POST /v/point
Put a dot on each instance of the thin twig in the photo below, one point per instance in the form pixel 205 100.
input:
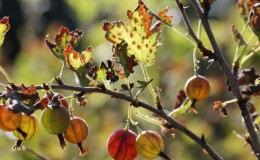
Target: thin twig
pixel 39 155
pixel 142 104
pixel 233 82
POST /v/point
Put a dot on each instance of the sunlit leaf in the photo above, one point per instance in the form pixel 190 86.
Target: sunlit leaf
pixel 127 62
pixel 61 39
pixel 4 27
pixel 76 60
pixel 142 38
pixel 184 108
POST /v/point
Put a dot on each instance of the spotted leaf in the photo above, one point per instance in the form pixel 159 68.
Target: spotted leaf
pixel 4 27
pixel 142 38
pixel 61 39
pixel 75 60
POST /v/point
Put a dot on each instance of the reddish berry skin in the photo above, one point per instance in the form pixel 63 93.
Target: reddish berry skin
pixel 77 130
pixel 121 145
pixel 9 120
pixel 48 97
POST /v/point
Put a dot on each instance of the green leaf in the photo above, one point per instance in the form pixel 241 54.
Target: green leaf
pixel 184 108
pixel 143 84
pixel 4 27
pixel 61 39
pixel 142 38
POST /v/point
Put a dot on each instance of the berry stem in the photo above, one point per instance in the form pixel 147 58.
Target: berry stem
pixel 147 79
pixel 62 141
pixel 6 75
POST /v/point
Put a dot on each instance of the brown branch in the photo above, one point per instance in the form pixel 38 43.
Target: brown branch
pixel 205 52
pixel 142 104
pixel 233 82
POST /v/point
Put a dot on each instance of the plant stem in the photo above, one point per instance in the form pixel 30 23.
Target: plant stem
pixel 147 79
pixel 6 75
pixel 148 107
pixel 233 82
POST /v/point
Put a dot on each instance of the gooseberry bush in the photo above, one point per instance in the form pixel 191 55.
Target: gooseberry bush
pixel 134 45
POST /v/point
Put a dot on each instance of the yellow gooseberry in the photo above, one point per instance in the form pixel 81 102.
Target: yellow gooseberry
pixel 29 125
pixel 149 144
pixel 197 88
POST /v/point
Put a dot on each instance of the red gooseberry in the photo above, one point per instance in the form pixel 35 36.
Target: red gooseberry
pixel 121 145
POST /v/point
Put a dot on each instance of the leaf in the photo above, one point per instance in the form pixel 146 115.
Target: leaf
pixel 141 37
pixel 61 39
pixel 184 108
pixel 143 84
pixel 4 27
pixel 75 60
pixel 126 87
pixel 248 76
pixel 127 62
pixel 104 72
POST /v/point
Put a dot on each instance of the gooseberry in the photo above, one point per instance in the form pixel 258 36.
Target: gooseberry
pixel 149 144
pixel 77 132
pixel 121 145
pixel 197 88
pixel 29 125
pixel 56 121
pixel 9 120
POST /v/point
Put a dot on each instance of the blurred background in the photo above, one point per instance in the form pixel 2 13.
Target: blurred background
pixel 27 60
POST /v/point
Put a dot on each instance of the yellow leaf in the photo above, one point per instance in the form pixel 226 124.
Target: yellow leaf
pixel 141 37
pixel 4 27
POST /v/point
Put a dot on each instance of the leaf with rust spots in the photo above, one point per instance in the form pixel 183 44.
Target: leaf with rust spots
pixel 76 61
pixel 4 27
pixel 163 15
pixel 61 39
pixel 127 62
pixel 141 36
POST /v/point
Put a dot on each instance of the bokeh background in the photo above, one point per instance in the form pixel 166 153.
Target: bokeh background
pixel 27 60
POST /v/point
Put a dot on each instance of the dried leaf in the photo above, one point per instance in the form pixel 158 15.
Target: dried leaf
pixel 4 27
pixel 127 62
pixel 61 39
pixel 248 77
pixel 141 37
pixel 75 60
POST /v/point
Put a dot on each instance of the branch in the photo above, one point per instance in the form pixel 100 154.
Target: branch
pixel 233 82
pixel 39 155
pixel 142 104
pixel 205 52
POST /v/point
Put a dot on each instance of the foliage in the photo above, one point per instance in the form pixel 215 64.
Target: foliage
pixel 130 74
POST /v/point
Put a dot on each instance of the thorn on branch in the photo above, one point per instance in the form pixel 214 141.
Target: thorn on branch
pixel 205 53
pixel 58 80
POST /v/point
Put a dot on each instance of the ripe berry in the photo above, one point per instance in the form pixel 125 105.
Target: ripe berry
pixel 149 144
pixel 77 132
pixel 121 145
pixel 9 120
pixel 197 88
pixel 29 125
